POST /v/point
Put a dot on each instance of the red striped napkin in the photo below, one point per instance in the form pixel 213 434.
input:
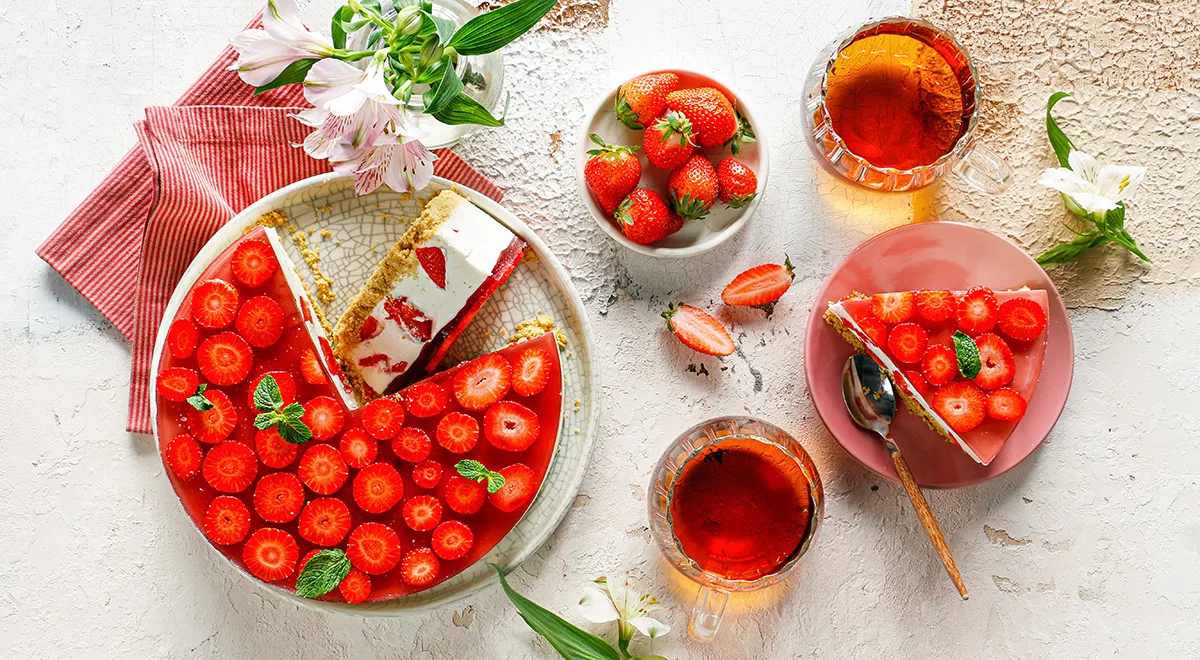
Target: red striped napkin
pixel 197 164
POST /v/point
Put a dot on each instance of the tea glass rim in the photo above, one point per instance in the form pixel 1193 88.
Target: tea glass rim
pixel 964 142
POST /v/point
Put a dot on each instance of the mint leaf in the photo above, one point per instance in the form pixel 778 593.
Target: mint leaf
pixel 264 421
pixel 292 429
pixel 198 400
pixel 570 641
pixel 322 573
pixel 476 471
pixel 293 410
pixel 968 354
pixel 1059 140
pixel 267 396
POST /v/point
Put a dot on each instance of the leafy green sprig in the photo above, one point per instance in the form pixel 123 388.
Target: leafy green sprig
pixel 287 419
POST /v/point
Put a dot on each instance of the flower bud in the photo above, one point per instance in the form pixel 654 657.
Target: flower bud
pixel 408 21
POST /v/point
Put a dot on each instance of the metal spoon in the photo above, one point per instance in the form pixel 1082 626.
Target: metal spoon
pixel 872 404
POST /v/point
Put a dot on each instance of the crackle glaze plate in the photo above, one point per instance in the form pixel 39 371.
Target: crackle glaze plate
pixel 356 224
pixel 935 255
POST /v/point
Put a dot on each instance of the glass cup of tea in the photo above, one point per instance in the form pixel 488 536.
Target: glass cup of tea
pixel 734 504
pixel 892 106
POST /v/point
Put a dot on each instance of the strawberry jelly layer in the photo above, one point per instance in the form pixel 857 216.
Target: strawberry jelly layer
pixel 983 442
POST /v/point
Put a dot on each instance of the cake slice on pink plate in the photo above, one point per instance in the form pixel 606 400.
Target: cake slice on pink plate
pixel 967 362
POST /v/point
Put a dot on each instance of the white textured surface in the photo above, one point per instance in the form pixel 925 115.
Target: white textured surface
pixel 1087 550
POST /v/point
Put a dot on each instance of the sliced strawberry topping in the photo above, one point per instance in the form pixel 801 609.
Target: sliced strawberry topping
pixel 322 469
pixel 510 426
pixel 482 382
pixel 230 466
pixel 961 404
pixel 331 362
pixel 270 554
pixel 892 308
pixel 324 416
pixel 273 450
pixel 452 540
pixel 422 513
pixel 977 311
pixel 370 329
pixel 358 449
pixel 464 495
pixel 382 418
pixel 874 329
pixel 939 364
pixel 407 316
pixel 214 303
pixel 398 368
pixel 184 456
pixel 378 487
pixel 260 321
pixel 304 311
pixel 425 399
pixel 182 338
pixel 420 567
pixel 1005 404
pixel 1022 319
pixel 760 285
pixel 373 360
pixel 215 424
pixel 907 342
pixel 458 432
pixel 373 548
pixel 310 368
pixel 355 587
pixel 227 520
pixel 225 359
pixel 997 364
pixel 520 483
pixel 287 387
pixel 324 521
pixel 427 474
pixel 698 330
pixel 253 262
pixel 413 445
pixel 278 497
pixel 531 372
pixel 918 382
pixel 936 306
pixel 177 383
pixel 433 261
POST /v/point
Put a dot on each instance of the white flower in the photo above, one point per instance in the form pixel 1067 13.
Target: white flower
pixel 1091 187
pixel 607 600
pixel 402 162
pixel 264 54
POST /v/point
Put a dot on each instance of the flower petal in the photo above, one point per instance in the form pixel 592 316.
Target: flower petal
pixel 373 84
pixel 281 20
pixel 1118 182
pixel 1084 165
pixel 596 607
pixel 1066 181
pixel 329 79
pixel 649 627
pixel 260 58
pixel 1093 202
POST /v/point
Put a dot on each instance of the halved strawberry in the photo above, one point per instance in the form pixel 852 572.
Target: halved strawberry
pixel 183 456
pixel 273 450
pixel 422 513
pixel 892 308
pixel 310 368
pixel 427 474
pixel 382 418
pixel 373 548
pixel 322 469
pixel 761 285
pixel 230 466
pixel 464 495
pixel 1005 404
pixel 324 416
pixel 918 382
pixel 1022 319
pixel 698 330
pixel 260 321
pixel 214 303
pixel 355 587
pixel 939 365
pixel 287 387
pixel 433 262
pixel 225 359
pixel 511 426
pixel 935 306
pixel 182 338
pixel 408 316
pixel 215 424
pixel 458 432
pixel 413 445
pixel 371 328
pixel 482 382
pixel 520 483
pixel 977 311
pixel 177 383
pixel 270 554
pixel 961 404
pixel 227 520
pixel 425 399
pixel 324 521
pixel 420 567
pixel 378 487
pixel 253 262
pixel 874 329
pixel 531 371
pixel 997 366
pixel 278 497
pixel 452 540
pixel 907 342
pixel 358 449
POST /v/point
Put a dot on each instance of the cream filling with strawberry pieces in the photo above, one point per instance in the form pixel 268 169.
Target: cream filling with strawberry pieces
pixel 472 243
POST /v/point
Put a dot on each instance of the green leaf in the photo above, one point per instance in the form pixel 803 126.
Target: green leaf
pixel 294 73
pixel 463 109
pixel 445 28
pixel 570 641
pixel 492 31
pixel 968 354
pixel 745 133
pixel 294 410
pixel 264 421
pixel 198 400
pixel 476 471
pixel 292 429
pixel 1059 140
pixel 1066 252
pixel 440 96
pixel 335 27
pixel 322 573
pixel 267 396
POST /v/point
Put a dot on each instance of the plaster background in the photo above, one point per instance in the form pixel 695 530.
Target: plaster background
pixel 1086 550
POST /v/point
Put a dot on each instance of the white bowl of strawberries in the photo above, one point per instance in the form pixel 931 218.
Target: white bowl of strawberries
pixel 670 164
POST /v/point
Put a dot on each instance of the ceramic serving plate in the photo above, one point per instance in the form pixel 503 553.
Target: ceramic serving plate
pixel 935 255
pixel 355 225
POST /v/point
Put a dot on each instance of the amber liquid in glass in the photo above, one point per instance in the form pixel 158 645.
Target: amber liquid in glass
pixel 741 509
pixel 897 100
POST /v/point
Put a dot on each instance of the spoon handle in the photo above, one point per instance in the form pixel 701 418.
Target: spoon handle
pixel 927 519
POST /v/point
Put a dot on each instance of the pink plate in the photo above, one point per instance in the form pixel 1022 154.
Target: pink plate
pixel 935 255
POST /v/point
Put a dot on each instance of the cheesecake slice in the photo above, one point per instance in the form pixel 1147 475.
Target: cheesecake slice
pixel 932 343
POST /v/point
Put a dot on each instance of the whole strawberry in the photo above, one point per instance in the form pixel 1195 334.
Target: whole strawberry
pixel 644 217
pixel 641 100
pixel 693 187
pixel 611 172
pixel 737 184
pixel 710 112
pixel 668 141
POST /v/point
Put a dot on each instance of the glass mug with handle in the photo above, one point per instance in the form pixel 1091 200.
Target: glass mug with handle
pixel 734 503
pixel 893 105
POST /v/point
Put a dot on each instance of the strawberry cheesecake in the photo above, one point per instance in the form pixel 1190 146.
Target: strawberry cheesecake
pixel 967 362
pixel 423 294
